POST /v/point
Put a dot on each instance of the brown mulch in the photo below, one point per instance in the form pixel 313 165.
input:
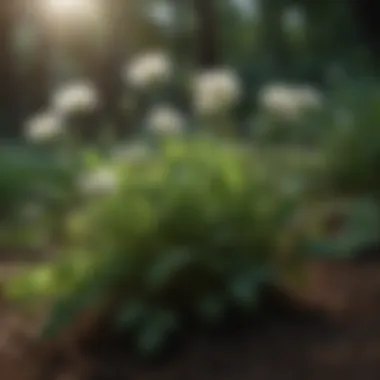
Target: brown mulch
pixel 287 341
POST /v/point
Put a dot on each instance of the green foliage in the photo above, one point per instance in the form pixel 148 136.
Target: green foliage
pixel 361 227
pixel 190 232
pixel 307 130
pixel 342 228
pixel 30 184
pixel 353 151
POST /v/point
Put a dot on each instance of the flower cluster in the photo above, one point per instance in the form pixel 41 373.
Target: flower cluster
pixel 216 91
pixel 44 127
pixel 69 100
pixel 99 182
pixel 75 98
pixel 165 120
pixel 148 70
pixel 289 101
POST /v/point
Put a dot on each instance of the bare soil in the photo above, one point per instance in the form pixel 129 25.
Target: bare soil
pixel 327 329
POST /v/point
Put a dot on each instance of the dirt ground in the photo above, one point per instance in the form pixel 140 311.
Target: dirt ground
pixel 287 341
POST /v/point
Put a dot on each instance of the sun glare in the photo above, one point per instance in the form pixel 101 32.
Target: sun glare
pixel 71 9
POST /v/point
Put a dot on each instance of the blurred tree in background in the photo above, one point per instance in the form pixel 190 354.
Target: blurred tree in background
pixel 265 39
pixel 8 95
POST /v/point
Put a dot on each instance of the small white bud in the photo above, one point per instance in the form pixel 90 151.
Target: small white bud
pixel 44 127
pixel 289 101
pixel 216 91
pixel 148 70
pixel 164 120
pixel 100 182
pixel 75 98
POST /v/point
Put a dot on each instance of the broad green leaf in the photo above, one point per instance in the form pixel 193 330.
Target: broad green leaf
pixel 166 268
pixel 155 332
pixel 131 314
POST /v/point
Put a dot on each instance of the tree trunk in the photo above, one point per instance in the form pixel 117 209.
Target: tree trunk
pixel 207 41
pixel 273 38
pixel 128 33
pixel 9 111
pixel 37 78
pixel 366 14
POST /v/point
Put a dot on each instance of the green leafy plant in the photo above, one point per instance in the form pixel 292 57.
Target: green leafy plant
pixel 189 232
pixel 32 188
pixel 333 229
pixel 353 149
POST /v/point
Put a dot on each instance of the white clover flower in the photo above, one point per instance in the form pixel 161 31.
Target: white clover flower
pixel 165 120
pixel 75 98
pixel 289 101
pixel 216 91
pixel 102 181
pixel 148 70
pixel 44 127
